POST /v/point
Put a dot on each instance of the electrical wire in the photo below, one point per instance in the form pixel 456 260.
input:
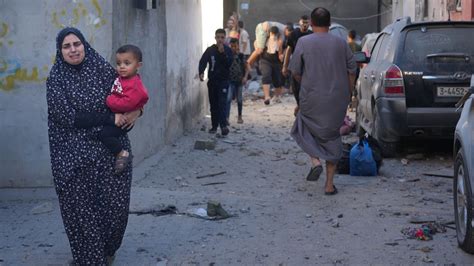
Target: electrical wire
pixel 356 18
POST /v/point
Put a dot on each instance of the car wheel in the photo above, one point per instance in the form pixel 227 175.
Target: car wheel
pixel 389 149
pixel 463 204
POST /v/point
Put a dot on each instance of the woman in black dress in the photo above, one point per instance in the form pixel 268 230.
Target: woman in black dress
pixel 94 202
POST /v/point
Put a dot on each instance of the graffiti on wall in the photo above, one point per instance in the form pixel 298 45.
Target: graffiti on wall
pixel 90 14
pixel 78 12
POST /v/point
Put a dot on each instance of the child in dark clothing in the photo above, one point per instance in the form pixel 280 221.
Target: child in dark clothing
pixel 238 77
pixel 219 59
pixel 127 94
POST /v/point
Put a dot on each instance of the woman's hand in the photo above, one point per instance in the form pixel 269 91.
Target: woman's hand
pixel 120 120
pixel 130 118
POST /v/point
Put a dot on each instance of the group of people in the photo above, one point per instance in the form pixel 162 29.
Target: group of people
pixel 92 107
pixel 322 71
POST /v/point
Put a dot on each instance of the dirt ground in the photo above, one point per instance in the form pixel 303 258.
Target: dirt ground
pixel 277 217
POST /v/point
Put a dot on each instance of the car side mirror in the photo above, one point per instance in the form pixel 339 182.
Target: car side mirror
pixel 361 58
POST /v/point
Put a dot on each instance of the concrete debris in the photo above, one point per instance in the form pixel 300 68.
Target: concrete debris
pixel 204 145
pixel 300 162
pixel 214 209
pixel 44 207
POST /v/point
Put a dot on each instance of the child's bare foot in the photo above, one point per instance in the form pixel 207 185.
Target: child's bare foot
pixel 121 162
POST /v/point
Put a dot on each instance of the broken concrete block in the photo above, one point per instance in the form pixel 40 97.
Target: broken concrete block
pixel 214 208
pixel 204 145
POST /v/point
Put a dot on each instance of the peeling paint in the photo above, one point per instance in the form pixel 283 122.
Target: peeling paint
pixel 4 31
pixel 11 73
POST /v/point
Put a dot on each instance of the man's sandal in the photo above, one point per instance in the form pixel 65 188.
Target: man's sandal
pixel 334 192
pixel 314 173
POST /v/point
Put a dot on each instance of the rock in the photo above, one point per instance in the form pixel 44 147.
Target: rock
pixel 416 156
pixel 433 200
pixel 44 207
pixel 420 220
pixel 427 259
pixel 214 208
pixel 254 153
pixel 299 162
pixel 141 250
pixel 404 161
pixel 204 145
pixel 221 150
pixel 425 249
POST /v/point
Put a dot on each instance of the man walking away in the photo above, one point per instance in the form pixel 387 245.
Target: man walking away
pixel 219 58
pixel 325 65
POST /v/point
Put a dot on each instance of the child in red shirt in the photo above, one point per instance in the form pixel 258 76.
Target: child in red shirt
pixel 127 94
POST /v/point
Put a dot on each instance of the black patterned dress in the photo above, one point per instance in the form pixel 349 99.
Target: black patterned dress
pixel 94 202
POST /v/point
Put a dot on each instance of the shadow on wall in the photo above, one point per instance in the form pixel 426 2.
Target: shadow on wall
pixel 187 100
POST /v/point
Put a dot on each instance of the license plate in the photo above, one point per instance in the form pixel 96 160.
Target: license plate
pixel 452 91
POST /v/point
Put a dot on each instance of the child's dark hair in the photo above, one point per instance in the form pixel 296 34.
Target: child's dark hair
pixel 129 48
pixel 234 40
pixel 221 31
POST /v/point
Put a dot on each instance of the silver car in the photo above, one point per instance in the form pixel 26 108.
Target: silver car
pixel 464 173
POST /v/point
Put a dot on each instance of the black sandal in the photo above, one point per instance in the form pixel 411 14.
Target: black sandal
pixel 314 173
pixel 334 192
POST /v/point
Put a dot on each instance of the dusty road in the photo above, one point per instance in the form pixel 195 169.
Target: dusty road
pixel 279 217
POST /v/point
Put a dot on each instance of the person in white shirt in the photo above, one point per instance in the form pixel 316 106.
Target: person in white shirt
pixel 244 40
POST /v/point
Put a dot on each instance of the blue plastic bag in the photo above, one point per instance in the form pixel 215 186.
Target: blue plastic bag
pixel 362 161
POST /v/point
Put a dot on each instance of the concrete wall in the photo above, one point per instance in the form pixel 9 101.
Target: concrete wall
pixel 147 30
pixel 27 50
pixel 182 85
pixel 464 12
pixel 172 42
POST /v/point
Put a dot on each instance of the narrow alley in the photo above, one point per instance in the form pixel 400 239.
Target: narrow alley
pixel 257 173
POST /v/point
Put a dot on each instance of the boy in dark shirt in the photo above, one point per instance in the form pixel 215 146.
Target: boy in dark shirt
pixel 219 58
pixel 238 78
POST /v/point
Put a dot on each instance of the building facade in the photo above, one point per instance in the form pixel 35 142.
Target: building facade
pixel 434 10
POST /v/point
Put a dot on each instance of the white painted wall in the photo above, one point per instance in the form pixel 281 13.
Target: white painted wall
pixel 187 96
pixel 212 16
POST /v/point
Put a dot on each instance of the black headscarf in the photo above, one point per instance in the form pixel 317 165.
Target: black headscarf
pixel 59 42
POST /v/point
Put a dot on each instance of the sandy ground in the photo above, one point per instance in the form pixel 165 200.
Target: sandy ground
pixel 279 218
